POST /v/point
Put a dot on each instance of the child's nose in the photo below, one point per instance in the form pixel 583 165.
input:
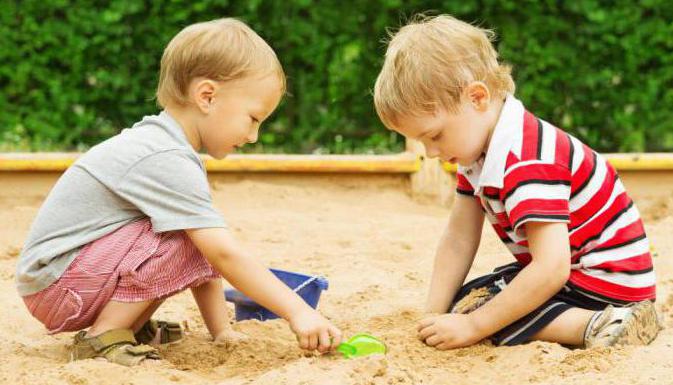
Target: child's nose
pixel 252 137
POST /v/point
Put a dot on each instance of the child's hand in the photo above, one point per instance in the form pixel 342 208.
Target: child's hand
pixel 449 331
pixel 229 337
pixel 314 331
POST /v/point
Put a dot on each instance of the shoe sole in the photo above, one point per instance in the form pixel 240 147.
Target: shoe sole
pixel 640 326
pixel 475 299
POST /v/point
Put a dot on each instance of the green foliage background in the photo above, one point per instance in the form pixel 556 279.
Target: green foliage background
pixel 73 72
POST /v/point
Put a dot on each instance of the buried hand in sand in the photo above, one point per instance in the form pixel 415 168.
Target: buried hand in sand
pixel 140 225
pixel 583 274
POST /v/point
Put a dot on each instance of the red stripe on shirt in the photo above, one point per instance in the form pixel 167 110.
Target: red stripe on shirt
pixel 640 262
pixel 612 290
pixel 529 148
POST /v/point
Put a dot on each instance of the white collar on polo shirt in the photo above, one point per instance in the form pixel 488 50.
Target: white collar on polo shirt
pixel 491 170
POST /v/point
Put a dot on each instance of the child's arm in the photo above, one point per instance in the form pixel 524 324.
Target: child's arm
pixel 455 253
pixel 256 281
pixel 543 277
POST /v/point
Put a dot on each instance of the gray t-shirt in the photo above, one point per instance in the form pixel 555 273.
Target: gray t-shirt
pixel 149 170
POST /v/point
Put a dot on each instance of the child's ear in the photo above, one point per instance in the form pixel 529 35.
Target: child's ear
pixel 203 94
pixel 478 95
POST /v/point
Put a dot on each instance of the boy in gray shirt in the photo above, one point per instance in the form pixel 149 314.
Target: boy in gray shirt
pixel 132 221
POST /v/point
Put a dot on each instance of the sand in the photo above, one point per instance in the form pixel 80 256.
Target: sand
pixel 375 245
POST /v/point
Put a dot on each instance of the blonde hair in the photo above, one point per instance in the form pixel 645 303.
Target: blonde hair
pixel 222 49
pixel 429 62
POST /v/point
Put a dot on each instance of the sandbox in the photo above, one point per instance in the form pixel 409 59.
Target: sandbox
pixel 374 241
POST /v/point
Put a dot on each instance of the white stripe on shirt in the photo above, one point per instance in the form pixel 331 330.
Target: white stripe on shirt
pixel 548 153
pixel 627 251
pixel 591 188
pixel 535 191
pixel 622 279
pixel 616 191
pixel 578 154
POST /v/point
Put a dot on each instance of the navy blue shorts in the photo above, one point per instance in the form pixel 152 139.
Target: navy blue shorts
pixel 522 330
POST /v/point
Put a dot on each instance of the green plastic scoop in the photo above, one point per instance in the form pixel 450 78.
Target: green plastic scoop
pixel 362 345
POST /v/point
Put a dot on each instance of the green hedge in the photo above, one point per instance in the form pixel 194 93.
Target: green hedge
pixel 73 73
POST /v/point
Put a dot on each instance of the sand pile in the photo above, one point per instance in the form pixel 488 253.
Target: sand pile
pixel 375 246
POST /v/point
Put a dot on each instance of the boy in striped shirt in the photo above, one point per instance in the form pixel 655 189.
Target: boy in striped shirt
pixel 583 274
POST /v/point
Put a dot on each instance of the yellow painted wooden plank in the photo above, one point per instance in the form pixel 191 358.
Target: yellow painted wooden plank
pixel 650 162
pixel 398 163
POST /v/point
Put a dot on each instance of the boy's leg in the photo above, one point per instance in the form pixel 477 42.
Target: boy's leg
pixel 568 328
pixel 147 314
pixel 568 318
pixel 118 315
pixel 557 321
pixel 209 296
pixel 110 336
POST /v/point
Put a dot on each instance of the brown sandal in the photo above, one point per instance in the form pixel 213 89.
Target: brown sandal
pixel 169 332
pixel 117 345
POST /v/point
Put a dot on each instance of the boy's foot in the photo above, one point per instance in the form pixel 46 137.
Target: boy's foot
pixel 118 346
pixel 636 324
pixel 155 332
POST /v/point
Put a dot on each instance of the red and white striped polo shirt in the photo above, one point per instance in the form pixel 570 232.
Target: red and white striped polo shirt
pixel 534 171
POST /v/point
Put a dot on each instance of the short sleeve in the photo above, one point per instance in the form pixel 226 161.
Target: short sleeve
pixel 172 189
pixel 536 191
pixel 463 185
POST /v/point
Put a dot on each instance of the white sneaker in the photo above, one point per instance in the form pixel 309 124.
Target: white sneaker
pixel 636 324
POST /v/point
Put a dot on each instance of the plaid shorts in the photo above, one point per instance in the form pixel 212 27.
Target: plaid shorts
pixel 131 264
pixel 522 330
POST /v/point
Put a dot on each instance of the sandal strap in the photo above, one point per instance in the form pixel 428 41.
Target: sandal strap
pixel 141 350
pixel 112 338
pixel 146 332
pixel 169 332
pixel 166 324
pixel 129 355
pixel 117 345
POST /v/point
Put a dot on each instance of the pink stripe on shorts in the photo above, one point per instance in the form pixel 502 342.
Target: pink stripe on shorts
pixel 132 264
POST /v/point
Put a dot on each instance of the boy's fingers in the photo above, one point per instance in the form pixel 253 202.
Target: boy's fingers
pixel 425 333
pixel 324 342
pixel 443 346
pixel 433 340
pixel 336 336
pixel 312 341
pixel 425 322
pixel 303 341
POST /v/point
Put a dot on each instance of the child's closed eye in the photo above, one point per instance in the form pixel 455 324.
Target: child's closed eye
pixel 436 137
